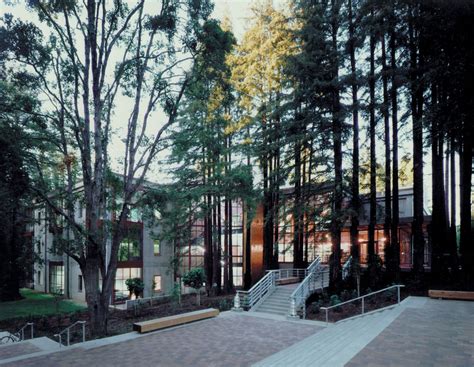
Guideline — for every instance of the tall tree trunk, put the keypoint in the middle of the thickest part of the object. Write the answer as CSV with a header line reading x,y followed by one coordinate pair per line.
x,y
416,104
452,229
387,181
439,225
355,201
297,210
336,221
373,165
465,243
227,235
394,240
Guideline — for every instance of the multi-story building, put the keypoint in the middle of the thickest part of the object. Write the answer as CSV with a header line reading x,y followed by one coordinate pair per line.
x,y
141,255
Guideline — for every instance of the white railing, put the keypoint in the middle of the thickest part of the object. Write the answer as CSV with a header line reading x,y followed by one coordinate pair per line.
x,y
288,273
317,278
132,303
68,333
19,335
362,298
256,294
346,268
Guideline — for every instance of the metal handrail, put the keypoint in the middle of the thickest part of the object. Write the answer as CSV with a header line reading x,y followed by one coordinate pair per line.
x,y
22,330
257,293
68,334
314,280
20,334
398,286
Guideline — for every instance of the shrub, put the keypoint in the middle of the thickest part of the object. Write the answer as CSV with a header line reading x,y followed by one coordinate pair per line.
x,y
135,286
314,307
345,295
195,279
335,300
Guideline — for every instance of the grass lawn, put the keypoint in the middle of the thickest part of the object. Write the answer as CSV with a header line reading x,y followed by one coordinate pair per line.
x,y
36,304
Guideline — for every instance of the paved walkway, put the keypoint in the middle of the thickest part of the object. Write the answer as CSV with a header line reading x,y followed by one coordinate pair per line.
x,y
420,332
232,339
439,334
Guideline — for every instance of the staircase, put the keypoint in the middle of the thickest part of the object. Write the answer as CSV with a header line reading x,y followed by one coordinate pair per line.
x,y
278,302
283,291
336,344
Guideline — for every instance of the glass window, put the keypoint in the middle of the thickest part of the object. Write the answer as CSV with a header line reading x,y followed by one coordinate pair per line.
x,y
156,248
157,283
129,250
56,279
120,288
79,283
39,277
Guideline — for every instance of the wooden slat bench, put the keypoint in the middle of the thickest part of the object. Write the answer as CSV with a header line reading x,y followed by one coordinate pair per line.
x,y
460,295
175,320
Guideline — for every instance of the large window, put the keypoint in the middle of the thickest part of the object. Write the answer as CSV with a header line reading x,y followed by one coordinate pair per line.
x,y
121,291
130,247
157,283
56,279
79,283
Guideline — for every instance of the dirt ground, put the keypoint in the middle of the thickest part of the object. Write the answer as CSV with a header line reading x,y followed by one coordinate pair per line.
x,y
371,303
120,321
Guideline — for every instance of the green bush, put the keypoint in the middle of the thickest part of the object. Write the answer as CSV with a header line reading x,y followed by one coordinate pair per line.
x,y
345,295
135,286
335,300
314,307
194,278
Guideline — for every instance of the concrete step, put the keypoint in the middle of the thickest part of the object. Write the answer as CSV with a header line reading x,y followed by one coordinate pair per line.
x,y
273,302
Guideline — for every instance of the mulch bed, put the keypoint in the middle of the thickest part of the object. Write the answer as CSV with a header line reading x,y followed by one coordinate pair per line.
x,y
120,321
371,303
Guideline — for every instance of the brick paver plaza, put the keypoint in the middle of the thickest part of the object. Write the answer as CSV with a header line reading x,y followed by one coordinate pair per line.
x,y
228,340
437,333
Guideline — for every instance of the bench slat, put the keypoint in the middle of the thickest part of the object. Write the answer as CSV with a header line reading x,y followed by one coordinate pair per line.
x,y
462,295
175,320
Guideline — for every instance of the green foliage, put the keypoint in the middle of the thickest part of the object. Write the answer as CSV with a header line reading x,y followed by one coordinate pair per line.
x,y
135,286
194,278
36,304
335,300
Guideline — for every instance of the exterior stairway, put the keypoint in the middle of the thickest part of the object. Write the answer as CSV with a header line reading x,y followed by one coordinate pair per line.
x,y
279,301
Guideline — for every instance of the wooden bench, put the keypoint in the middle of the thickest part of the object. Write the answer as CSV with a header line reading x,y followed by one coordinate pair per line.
x,y
175,320
290,280
460,295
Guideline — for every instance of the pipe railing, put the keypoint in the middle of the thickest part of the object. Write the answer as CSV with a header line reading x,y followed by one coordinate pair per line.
x,y
21,332
289,273
19,335
362,298
257,293
317,278
68,333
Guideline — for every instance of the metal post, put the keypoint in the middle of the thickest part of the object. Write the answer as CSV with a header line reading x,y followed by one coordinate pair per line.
x,y
293,313
237,303
22,333
67,333
31,326
398,291
363,305
83,332
327,319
